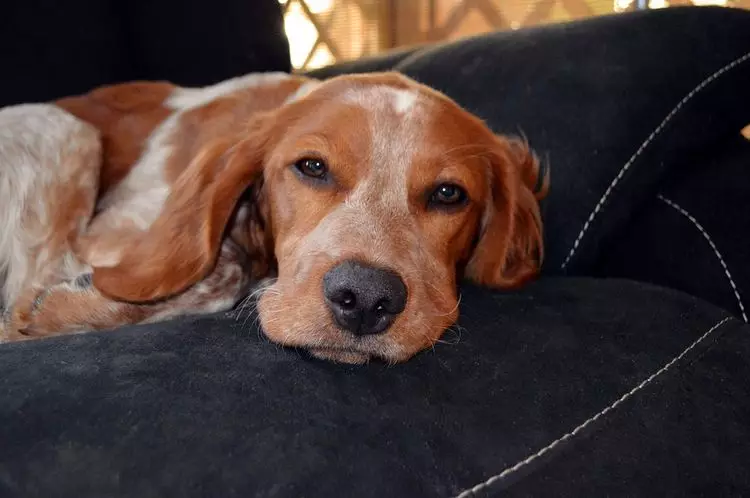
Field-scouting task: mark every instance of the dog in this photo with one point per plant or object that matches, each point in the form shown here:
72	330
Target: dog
353	205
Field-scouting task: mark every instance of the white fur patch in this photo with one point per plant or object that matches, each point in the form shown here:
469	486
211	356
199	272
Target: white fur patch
404	100
376	97
190	98
139	197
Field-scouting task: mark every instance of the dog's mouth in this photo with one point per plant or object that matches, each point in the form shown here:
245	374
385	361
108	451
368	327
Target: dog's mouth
364	350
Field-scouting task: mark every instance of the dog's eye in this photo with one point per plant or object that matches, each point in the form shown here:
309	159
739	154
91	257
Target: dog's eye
314	168
448	194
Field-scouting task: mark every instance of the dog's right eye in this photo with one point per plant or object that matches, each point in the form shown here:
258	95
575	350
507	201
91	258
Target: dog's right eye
314	168
447	196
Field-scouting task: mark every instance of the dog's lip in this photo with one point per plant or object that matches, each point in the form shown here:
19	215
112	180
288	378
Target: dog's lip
338	348
341	355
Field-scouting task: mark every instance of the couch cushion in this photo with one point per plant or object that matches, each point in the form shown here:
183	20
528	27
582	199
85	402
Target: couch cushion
571	387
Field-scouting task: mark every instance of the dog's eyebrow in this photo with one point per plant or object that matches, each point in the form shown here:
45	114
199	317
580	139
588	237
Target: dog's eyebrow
312	140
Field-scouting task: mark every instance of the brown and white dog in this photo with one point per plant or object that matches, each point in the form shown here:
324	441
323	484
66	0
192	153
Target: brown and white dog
357	203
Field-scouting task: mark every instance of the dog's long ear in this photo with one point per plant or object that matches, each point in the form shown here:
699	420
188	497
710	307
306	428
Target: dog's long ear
510	247
181	246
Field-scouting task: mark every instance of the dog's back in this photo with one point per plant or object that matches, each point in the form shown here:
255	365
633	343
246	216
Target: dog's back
76	182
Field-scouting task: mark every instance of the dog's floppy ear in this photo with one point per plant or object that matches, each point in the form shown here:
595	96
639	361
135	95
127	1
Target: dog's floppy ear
510	249
181	246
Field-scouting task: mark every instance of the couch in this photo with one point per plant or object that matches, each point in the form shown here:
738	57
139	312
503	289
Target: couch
624	370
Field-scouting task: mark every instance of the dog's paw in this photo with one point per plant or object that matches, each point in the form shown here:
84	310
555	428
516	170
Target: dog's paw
59	309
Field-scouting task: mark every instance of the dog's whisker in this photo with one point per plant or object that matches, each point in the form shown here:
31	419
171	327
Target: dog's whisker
249	305
458	333
453	310
237	312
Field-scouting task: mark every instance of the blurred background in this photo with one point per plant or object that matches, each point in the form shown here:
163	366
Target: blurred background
322	32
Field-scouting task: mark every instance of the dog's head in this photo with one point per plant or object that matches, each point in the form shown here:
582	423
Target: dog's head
373	194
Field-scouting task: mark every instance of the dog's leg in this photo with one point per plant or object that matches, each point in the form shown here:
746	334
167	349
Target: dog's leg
69	308
76	306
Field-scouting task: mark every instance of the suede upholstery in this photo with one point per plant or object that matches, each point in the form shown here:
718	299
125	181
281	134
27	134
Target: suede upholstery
206	407
581	384
692	234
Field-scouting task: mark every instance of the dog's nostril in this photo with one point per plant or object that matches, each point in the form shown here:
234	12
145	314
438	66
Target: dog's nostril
348	300
344	298
385	306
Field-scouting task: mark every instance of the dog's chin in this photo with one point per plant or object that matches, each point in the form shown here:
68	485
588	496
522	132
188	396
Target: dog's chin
327	342
340	355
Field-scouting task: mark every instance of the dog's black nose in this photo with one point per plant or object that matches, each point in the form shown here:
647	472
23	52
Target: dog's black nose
364	299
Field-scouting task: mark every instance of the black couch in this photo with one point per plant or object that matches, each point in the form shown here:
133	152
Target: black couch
623	371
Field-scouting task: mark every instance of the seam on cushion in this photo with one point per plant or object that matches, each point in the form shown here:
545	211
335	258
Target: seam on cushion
526	461
700	228
703	84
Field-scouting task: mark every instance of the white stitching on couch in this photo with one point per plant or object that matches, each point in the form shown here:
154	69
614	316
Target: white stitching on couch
713	246
703	84
510	470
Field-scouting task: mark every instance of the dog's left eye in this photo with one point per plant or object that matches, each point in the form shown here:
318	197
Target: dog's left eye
448	194
314	168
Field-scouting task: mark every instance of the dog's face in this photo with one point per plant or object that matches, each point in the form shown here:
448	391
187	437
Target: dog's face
377	195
